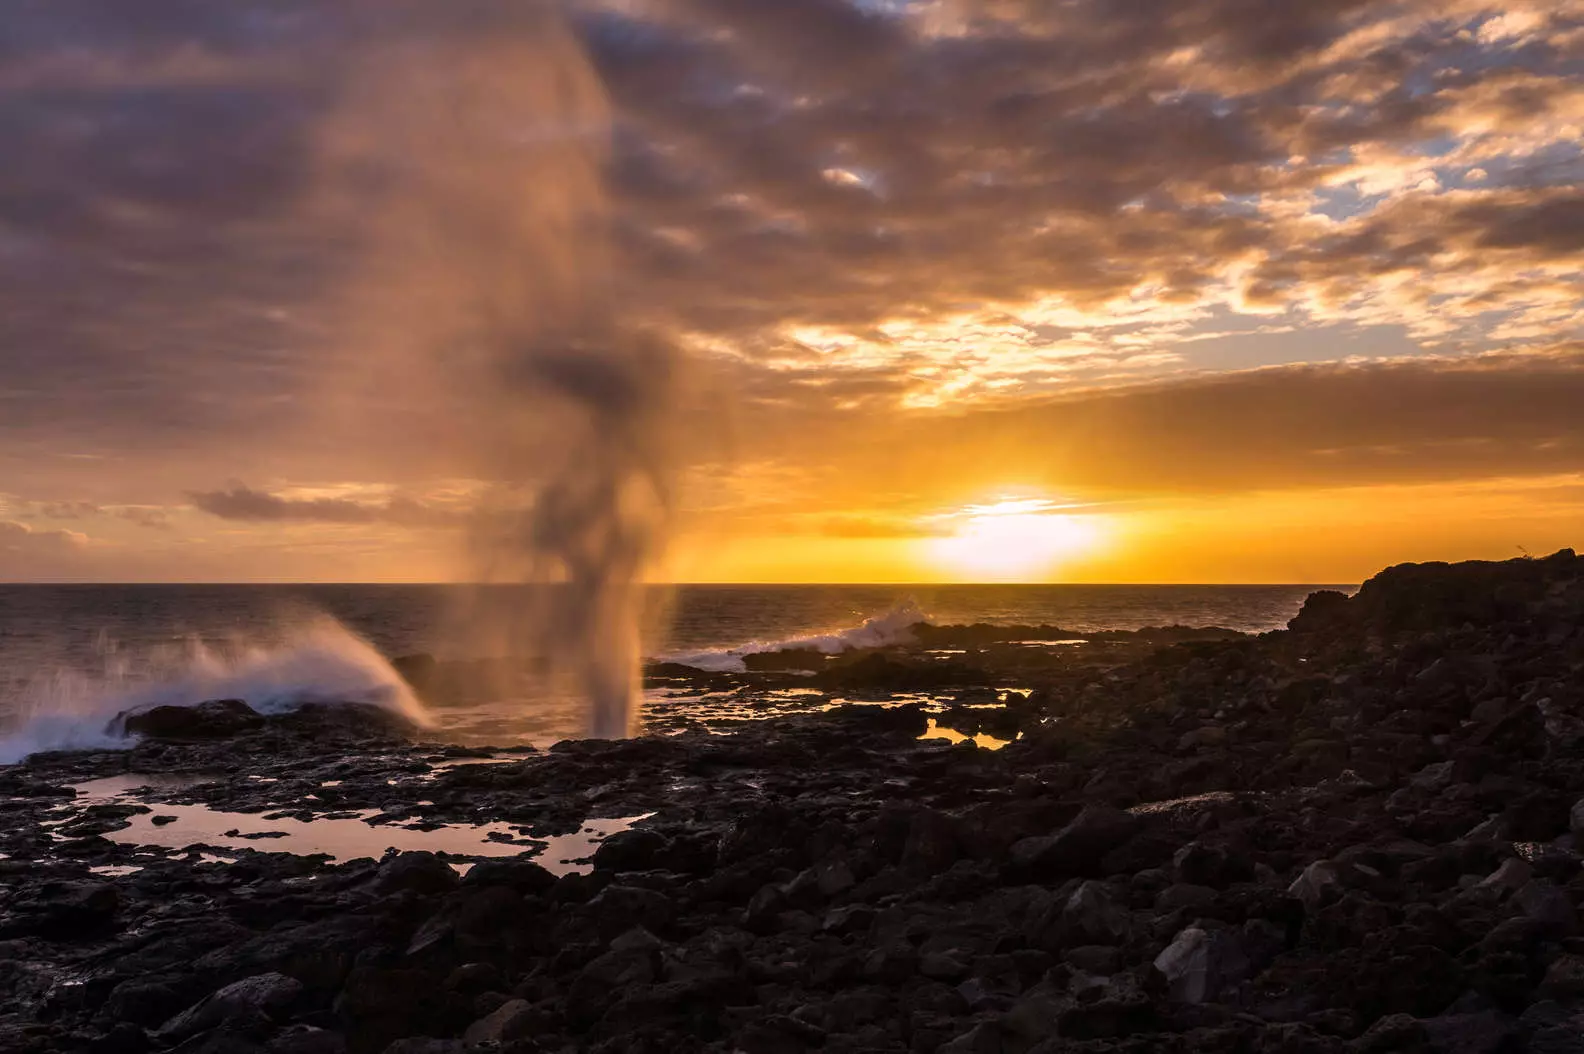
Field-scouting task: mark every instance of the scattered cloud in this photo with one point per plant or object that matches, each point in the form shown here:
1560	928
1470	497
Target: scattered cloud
917	242
20	539
255	506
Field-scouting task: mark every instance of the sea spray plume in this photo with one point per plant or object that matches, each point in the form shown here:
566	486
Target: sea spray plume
596	519
314	660
468	162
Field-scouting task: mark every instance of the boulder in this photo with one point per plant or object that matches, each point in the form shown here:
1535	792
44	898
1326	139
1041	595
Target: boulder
216	719
1317	882
1199	964
599	983
1209	865
523	876
64	911
1078	848
632	850
264	996
513	1019
620	908
1487	1032
306	1039
1094	915
419	872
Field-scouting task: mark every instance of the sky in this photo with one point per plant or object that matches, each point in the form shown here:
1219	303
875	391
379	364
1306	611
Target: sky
949	290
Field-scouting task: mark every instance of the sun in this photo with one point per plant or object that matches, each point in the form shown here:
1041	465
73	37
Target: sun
1014	540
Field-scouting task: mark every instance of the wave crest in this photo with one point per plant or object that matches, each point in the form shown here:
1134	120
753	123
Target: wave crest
319	662
880	631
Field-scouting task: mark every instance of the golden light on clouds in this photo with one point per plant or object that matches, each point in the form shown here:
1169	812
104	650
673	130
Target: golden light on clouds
1014	540
1262	290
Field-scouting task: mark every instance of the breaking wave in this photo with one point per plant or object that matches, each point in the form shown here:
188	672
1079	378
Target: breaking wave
319	662
881	631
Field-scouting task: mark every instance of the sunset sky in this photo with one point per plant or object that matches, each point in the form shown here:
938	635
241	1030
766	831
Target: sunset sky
964	290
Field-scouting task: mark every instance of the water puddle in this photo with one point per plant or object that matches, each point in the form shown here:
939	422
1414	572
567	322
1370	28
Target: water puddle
114	788
983	740
437	767
346	836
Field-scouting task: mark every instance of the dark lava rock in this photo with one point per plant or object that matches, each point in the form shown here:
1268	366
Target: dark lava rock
216	719
1359	834
265	995
787	659
1078	848
632	850
344	721
65	911
420	872
524	876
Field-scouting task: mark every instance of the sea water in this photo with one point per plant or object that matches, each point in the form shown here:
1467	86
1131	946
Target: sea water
71	656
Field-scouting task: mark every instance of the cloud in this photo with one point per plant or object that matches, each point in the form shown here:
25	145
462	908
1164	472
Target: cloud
778	164
1258	430
879	527
19	539
153	517
1002	229
245	504
67	510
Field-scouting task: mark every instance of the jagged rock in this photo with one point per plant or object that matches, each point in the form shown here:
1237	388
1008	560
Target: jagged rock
1432	777
631	850
511	1020
1487	1032
378	1005
1183	896
1576	818
1205	865
64	911
1317	882
983	1038
216	719
1393	1033
1199	963
523	876
1548	905
146	1001
263	995
1513	874
1078	848
1564	978
821	882
1098	959
1204	736
425	1045
620	908
419	872
306	1039
591	991
1093	915
934	842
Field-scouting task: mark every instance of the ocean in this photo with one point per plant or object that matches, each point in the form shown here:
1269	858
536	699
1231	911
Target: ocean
73	655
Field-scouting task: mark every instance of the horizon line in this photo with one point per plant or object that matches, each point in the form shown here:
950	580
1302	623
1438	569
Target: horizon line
284	584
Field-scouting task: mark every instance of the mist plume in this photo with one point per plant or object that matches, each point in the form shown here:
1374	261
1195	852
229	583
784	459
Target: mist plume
467	157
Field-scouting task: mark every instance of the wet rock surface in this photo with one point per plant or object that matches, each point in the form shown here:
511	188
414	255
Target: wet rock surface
1359	834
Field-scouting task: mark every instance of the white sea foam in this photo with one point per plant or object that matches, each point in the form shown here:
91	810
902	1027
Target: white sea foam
318	662
881	631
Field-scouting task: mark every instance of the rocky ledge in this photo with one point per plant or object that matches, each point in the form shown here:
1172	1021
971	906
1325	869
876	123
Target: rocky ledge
1361	834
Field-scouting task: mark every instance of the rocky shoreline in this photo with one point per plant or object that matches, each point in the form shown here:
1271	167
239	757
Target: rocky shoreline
1360	834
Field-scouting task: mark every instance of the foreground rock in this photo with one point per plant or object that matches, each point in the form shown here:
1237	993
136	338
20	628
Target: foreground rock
1357	835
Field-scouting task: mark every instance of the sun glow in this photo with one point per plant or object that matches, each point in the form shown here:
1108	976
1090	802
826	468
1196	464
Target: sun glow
1014	540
